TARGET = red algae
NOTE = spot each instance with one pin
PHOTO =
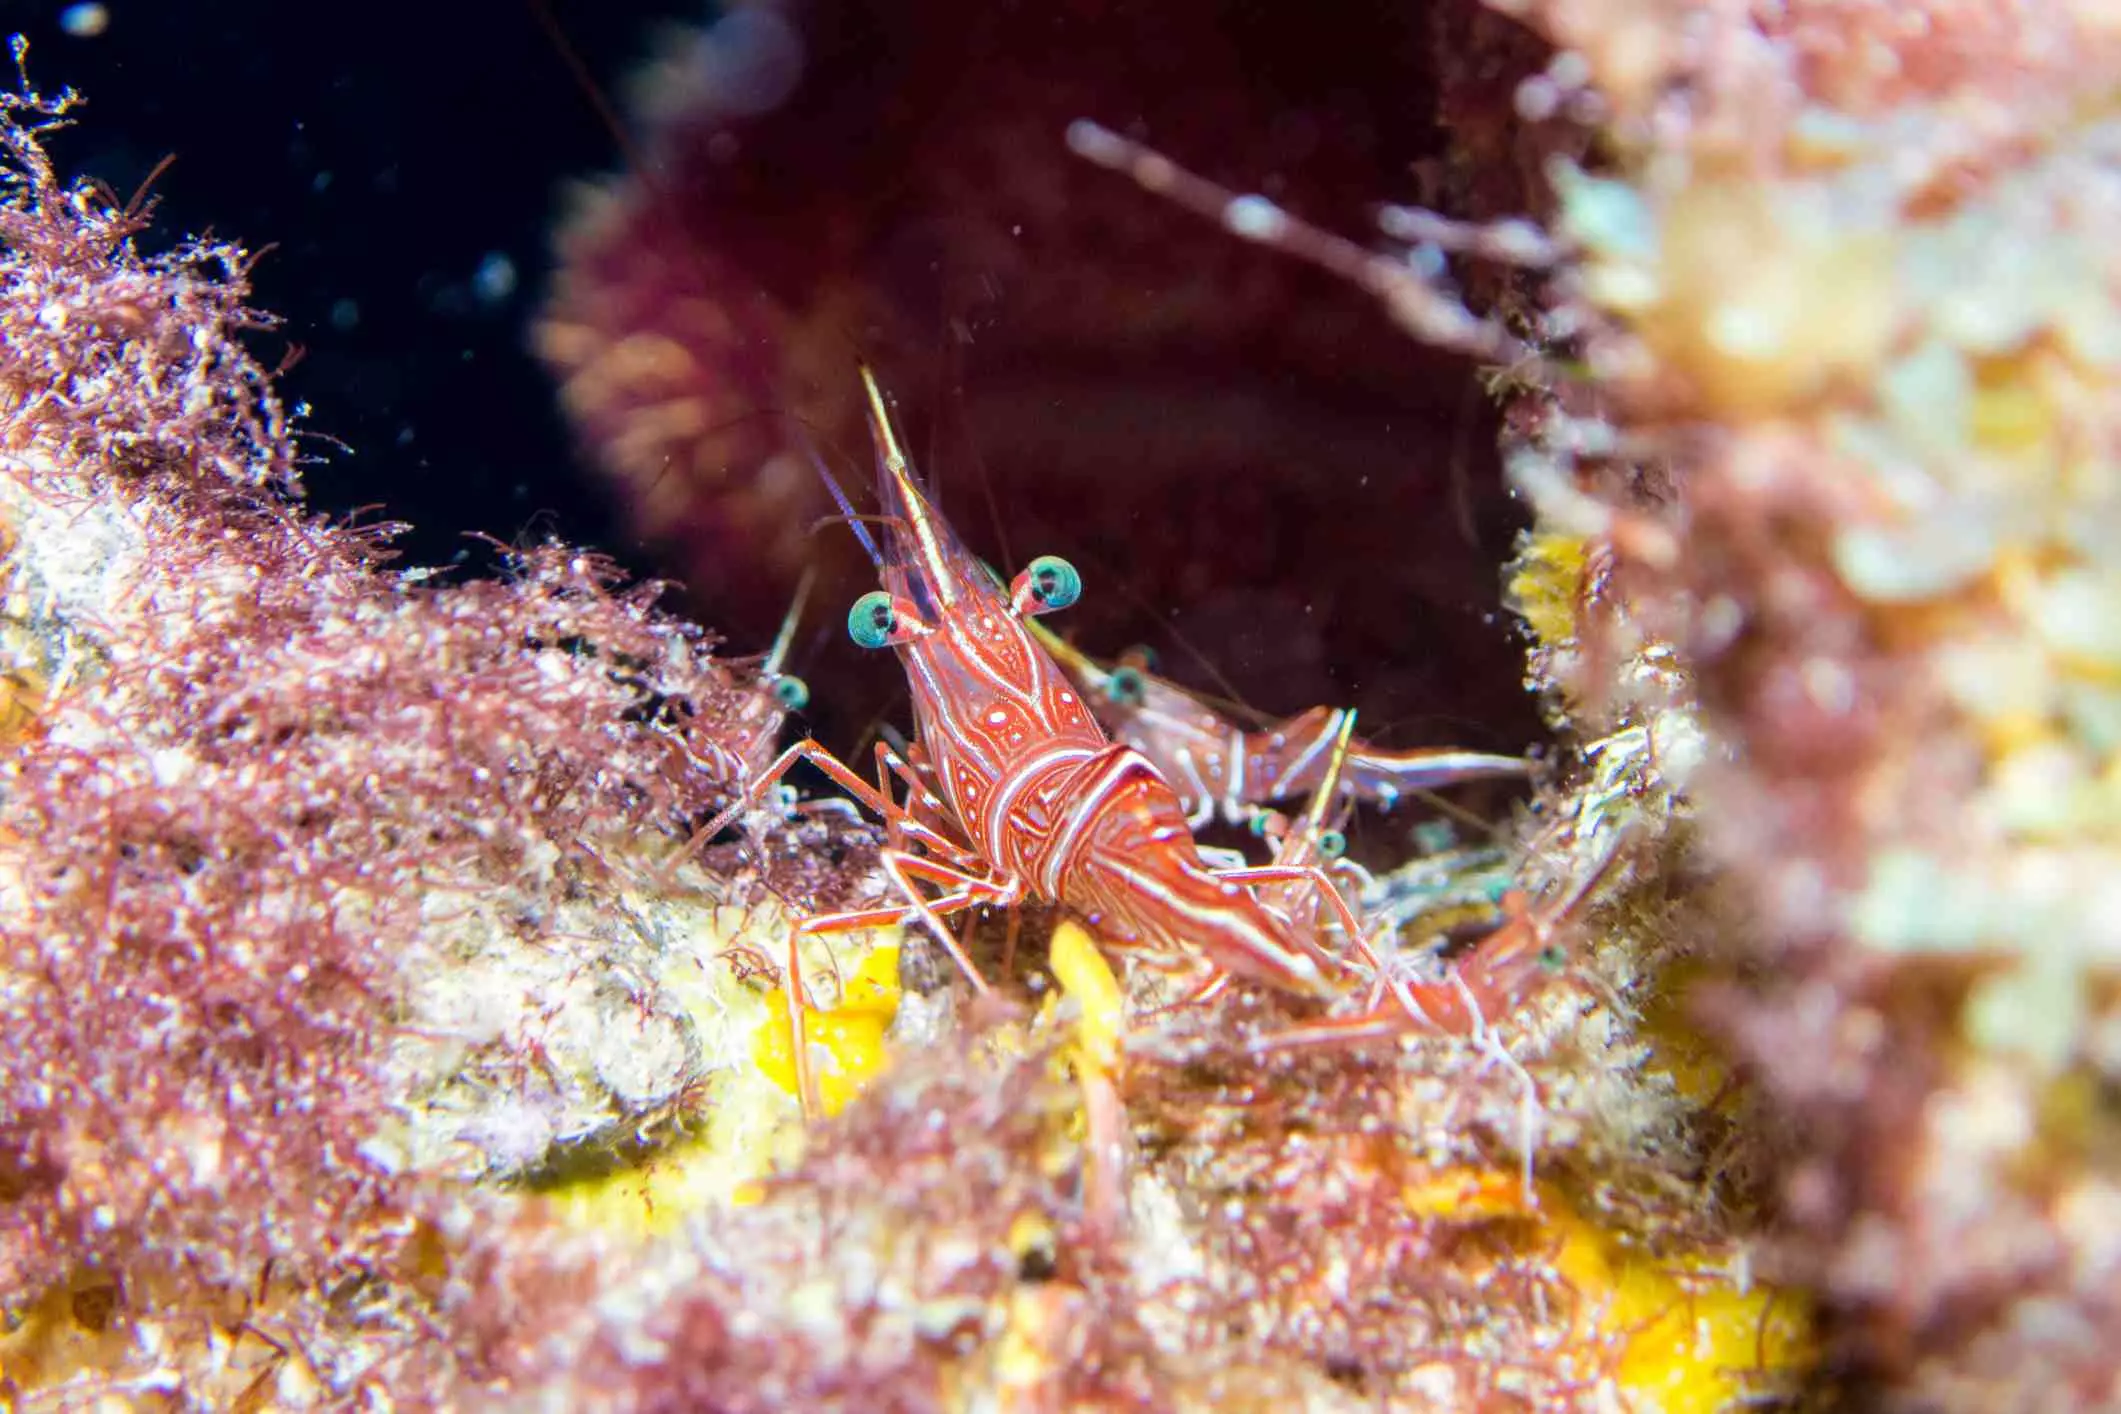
(259, 765)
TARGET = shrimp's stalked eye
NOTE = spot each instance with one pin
(791, 692)
(878, 620)
(1047, 583)
(1125, 687)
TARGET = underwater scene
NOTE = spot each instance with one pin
(904, 705)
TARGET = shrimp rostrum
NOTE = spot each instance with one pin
(1014, 792)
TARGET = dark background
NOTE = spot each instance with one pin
(389, 153)
(407, 162)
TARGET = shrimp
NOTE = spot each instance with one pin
(1015, 793)
(751, 728)
(1216, 766)
(1050, 806)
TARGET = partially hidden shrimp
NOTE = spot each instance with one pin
(1015, 793)
(1218, 767)
(751, 727)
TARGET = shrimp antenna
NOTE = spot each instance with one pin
(832, 484)
(785, 639)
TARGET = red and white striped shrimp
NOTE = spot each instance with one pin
(1016, 793)
(1051, 806)
(1216, 766)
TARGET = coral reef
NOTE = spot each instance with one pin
(1847, 462)
(385, 1035)
(296, 849)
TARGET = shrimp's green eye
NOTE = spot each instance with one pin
(1125, 687)
(791, 692)
(1055, 581)
(1332, 843)
(873, 621)
(1047, 583)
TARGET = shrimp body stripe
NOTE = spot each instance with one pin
(1034, 700)
(1095, 788)
(936, 703)
(967, 749)
(1234, 796)
(1010, 786)
(1181, 726)
(1223, 923)
(1200, 804)
(1293, 772)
